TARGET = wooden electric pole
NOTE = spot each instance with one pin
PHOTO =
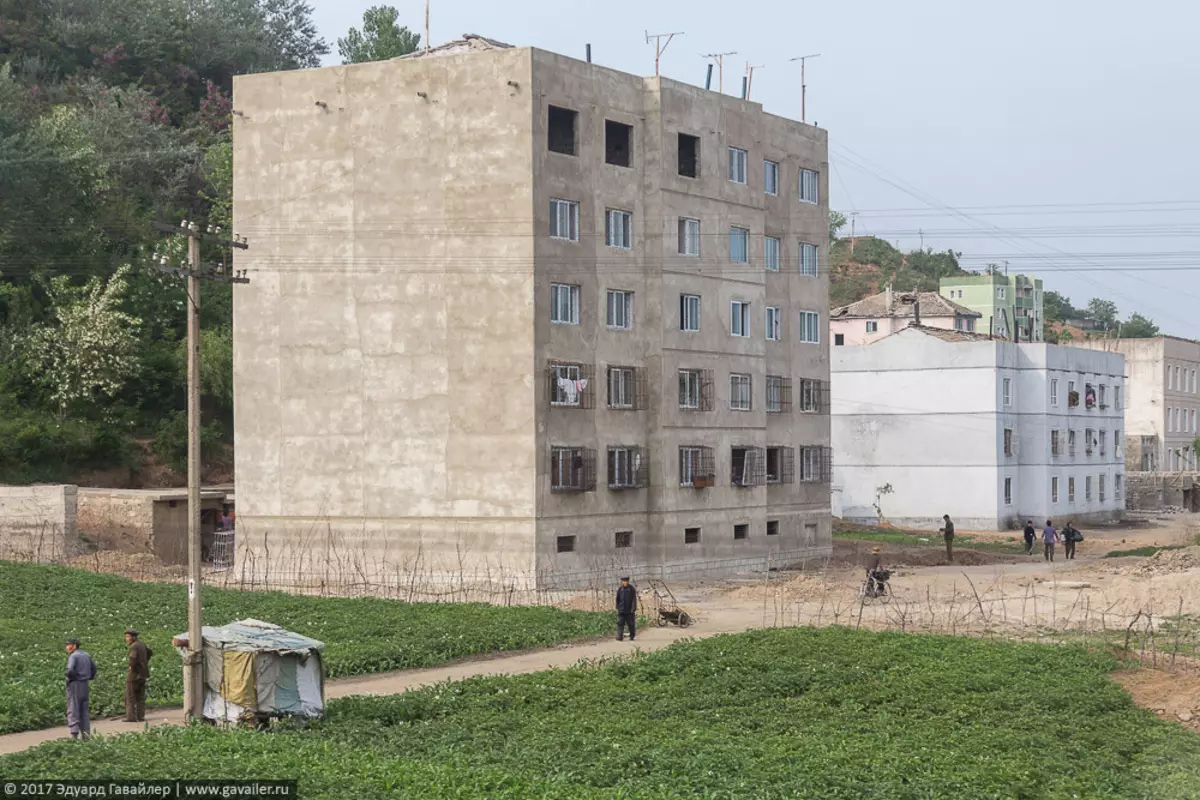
(193, 663)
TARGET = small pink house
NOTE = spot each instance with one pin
(887, 312)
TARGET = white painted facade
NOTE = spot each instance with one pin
(927, 411)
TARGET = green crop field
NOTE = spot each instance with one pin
(40, 606)
(830, 713)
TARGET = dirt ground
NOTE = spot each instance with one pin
(1170, 695)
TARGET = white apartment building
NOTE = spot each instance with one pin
(990, 432)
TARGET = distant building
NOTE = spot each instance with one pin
(987, 431)
(887, 312)
(1164, 400)
(1010, 306)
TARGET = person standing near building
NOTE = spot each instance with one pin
(1070, 536)
(1030, 535)
(81, 670)
(626, 610)
(947, 531)
(135, 678)
(1049, 537)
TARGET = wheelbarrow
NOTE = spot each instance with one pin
(669, 612)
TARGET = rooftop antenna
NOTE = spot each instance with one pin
(750, 76)
(426, 27)
(804, 85)
(720, 59)
(659, 47)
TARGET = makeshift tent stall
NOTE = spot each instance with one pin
(256, 670)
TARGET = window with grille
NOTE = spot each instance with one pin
(812, 394)
(739, 245)
(564, 220)
(570, 385)
(1054, 392)
(781, 464)
(691, 536)
(689, 237)
(741, 531)
(808, 259)
(1070, 442)
(624, 539)
(1054, 490)
(748, 466)
(620, 309)
(689, 312)
(626, 388)
(696, 466)
(779, 394)
(1008, 491)
(1009, 446)
(627, 467)
(1055, 443)
(695, 390)
(1100, 494)
(737, 165)
(1087, 487)
(770, 177)
(618, 228)
(739, 318)
(1116, 487)
(816, 464)
(1070, 490)
(773, 334)
(739, 392)
(564, 304)
(572, 469)
(1089, 441)
(771, 253)
(1102, 442)
(810, 186)
(810, 327)
(1008, 391)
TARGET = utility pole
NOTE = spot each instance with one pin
(853, 220)
(426, 27)
(720, 59)
(193, 663)
(659, 47)
(804, 85)
(750, 77)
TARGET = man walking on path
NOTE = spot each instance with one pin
(136, 677)
(626, 610)
(948, 535)
(1030, 535)
(1049, 537)
(1070, 536)
(80, 672)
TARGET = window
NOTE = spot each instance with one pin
(1087, 488)
(1009, 445)
(779, 394)
(1100, 492)
(1103, 442)
(781, 464)
(737, 165)
(622, 387)
(1116, 397)
(810, 534)
(1194, 420)
(1008, 491)
(689, 156)
(872, 326)
(696, 467)
(810, 186)
(739, 318)
(748, 466)
(561, 130)
(1117, 444)
(1054, 490)
(624, 539)
(689, 237)
(1071, 443)
(741, 531)
(618, 143)
(565, 544)
(695, 390)
(689, 312)
(618, 228)
(839, 339)
(564, 220)
(770, 177)
(570, 385)
(1070, 490)
(810, 395)
(1000, 293)
(572, 469)
(1116, 487)
(1193, 381)
(739, 392)
(964, 324)
(1054, 392)
(691, 536)
(810, 327)
(772, 527)
(1072, 395)
(810, 464)
(625, 467)
(620, 309)
(1089, 395)
(1055, 443)
(564, 304)
(1008, 391)
(1089, 441)
(1103, 396)
(773, 324)
(1178, 383)
(1170, 422)
(739, 245)
(808, 259)
(1170, 378)
(771, 253)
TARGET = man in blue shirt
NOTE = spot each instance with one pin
(1049, 537)
(80, 672)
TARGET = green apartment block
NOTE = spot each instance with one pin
(1011, 305)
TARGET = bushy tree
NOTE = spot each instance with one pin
(1139, 327)
(380, 38)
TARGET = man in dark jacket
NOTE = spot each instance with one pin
(1030, 535)
(80, 672)
(626, 610)
(947, 531)
(135, 678)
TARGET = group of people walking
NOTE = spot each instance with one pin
(1069, 536)
(81, 671)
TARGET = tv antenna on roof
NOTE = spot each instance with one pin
(659, 47)
(803, 85)
(720, 59)
(750, 77)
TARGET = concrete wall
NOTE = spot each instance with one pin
(144, 520)
(37, 523)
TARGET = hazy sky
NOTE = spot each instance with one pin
(1061, 136)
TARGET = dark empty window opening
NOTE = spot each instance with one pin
(624, 538)
(741, 531)
(772, 527)
(566, 544)
(689, 156)
(618, 143)
(839, 340)
(561, 130)
(691, 535)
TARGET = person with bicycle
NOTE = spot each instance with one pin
(875, 573)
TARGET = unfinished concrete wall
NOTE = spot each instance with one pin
(38, 523)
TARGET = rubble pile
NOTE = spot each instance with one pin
(1166, 561)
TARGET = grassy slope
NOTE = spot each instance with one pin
(40, 606)
(826, 714)
(933, 540)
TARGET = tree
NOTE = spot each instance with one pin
(1058, 308)
(380, 38)
(837, 221)
(1139, 327)
(1104, 312)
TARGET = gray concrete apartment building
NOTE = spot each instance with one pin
(1163, 401)
(512, 313)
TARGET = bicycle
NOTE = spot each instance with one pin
(876, 587)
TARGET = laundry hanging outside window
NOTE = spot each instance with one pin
(572, 389)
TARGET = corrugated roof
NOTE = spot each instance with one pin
(469, 43)
(876, 306)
